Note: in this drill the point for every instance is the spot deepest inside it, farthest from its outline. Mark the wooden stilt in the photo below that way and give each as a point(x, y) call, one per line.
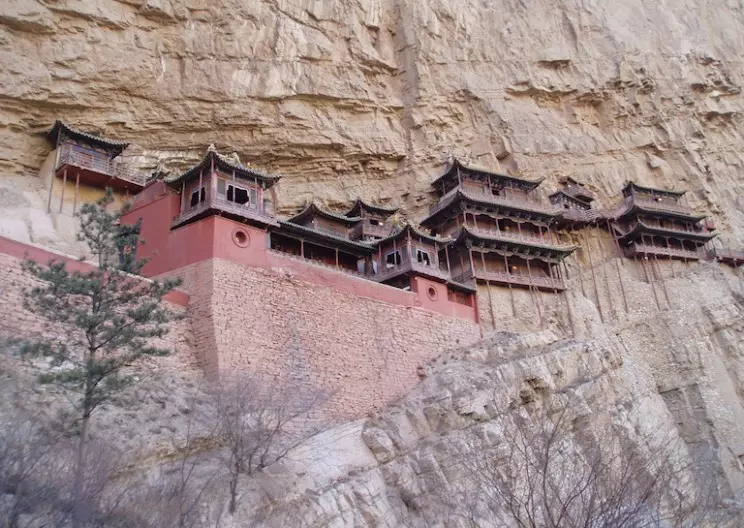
point(594, 280)
point(535, 298)
point(446, 256)
point(650, 281)
point(552, 279)
point(663, 282)
point(488, 288)
point(51, 187)
point(336, 257)
point(302, 248)
point(511, 293)
point(77, 191)
point(578, 269)
point(64, 184)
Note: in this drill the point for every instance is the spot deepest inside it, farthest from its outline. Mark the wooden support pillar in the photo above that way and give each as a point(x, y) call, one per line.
point(508, 281)
point(650, 281)
point(552, 278)
point(535, 297)
point(470, 256)
point(64, 184)
point(302, 248)
point(594, 280)
point(183, 197)
point(201, 185)
point(568, 301)
point(77, 192)
point(337, 258)
point(488, 289)
point(446, 257)
point(51, 187)
point(663, 282)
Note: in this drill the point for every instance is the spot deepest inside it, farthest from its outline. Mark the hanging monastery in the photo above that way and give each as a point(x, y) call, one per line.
point(359, 301)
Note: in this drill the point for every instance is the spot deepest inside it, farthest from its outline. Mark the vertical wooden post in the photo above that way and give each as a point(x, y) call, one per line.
point(302, 248)
point(663, 282)
point(568, 302)
point(77, 190)
point(488, 289)
point(594, 280)
point(552, 279)
point(183, 196)
point(508, 281)
point(201, 185)
point(535, 298)
point(446, 256)
point(336, 258)
point(650, 280)
point(64, 184)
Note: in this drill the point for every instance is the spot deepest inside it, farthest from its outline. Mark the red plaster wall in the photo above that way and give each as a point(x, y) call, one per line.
point(275, 322)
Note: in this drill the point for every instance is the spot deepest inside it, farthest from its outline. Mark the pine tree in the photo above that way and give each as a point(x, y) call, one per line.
point(109, 315)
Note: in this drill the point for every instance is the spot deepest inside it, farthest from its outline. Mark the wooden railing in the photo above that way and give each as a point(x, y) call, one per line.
point(408, 265)
point(99, 162)
point(673, 230)
point(511, 236)
point(250, 211)
point(661, 205)
point(583, 215)
point(648, 249)
point(508, 200)
point(519, 279)
point(365, 228)
point(726, 254)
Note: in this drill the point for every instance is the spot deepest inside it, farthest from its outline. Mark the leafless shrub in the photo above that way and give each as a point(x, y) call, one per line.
point(257, 424)
point(554, 470)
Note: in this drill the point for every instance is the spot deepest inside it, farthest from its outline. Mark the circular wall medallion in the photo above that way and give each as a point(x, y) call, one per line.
point(431, 291)
point(241, 238)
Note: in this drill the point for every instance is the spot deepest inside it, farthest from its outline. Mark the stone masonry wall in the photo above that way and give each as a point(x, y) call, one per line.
point(367, 353)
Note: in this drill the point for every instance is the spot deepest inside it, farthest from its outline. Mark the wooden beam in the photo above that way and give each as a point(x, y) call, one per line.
point(64, 184)
point(77, 191)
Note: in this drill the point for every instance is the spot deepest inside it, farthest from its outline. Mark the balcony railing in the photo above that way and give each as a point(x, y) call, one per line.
point(367, 229)
point(641, 250)
point(99, 162)
point(672, 230)
point(732, 255)
point(518, 279)
point(249, 211)
point(511, 236)
point(407, 266)
point(582, 215)
point(508, 200)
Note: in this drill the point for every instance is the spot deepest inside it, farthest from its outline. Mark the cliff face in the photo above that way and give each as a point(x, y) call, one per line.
point(367, 98)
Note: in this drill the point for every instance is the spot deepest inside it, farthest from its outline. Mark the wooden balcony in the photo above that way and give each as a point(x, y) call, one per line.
point(539, 282)
point(219, 204)
point(582, 215)
point(514, 201)
point(644, 250)
point(408, 266)
point(727, 256)
point(98, 169)
point(513, 236)
point(365, 229)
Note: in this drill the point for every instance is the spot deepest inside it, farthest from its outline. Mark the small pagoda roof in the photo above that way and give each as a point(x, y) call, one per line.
point(409, 228)
point(353, 246)
point(226, 164)
point(569, 196)
point(509, 244)
point(537, 210)
point(639, 208)
point(115, 147)
point(650, 190)
point(510, 181)
point(643, 228)
point(360, 205)
point(313, 210)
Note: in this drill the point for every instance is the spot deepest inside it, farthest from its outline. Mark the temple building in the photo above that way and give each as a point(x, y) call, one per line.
point(573, 200)
point(501, 233)
point(655, 223)
point(84, 159)
point(218, 185)
point(325, 237)
point(376, 222)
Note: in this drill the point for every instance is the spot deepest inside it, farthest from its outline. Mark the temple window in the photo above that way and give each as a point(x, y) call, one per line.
point(423, 257)
point(240, 195)
point(198, 197)
point(393, 259)
point(374, 222)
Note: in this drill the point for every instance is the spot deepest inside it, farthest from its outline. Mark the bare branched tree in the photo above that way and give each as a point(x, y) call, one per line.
point(553, 469)
point(258, 423)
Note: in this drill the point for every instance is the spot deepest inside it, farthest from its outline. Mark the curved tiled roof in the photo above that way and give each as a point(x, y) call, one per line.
point(653, 190)
point(516, 182)
point(225, 163)
point(335, 239)
point(417, 232)
point(108, 144)
point(564, 251)
point(361, 204)
point(312, 210)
